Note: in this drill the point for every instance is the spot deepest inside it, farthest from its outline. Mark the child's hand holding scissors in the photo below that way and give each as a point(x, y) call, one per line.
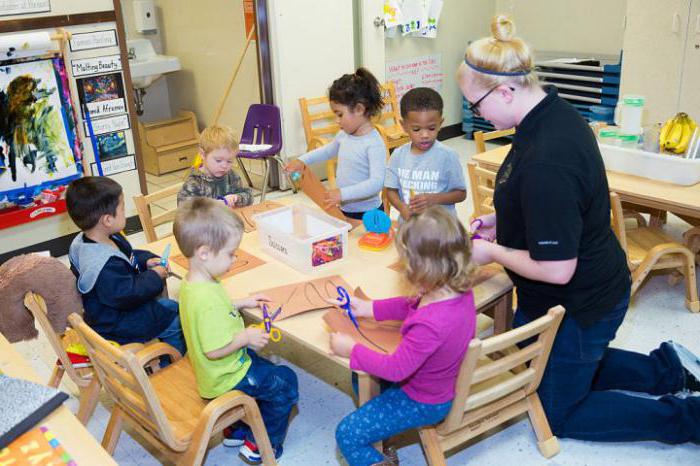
point(359, 307)
point(256, 338)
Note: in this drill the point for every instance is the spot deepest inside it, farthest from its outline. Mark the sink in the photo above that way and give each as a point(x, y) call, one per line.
point(146, 65)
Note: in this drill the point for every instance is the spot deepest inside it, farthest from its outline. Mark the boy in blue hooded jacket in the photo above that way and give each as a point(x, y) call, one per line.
point(120, 286)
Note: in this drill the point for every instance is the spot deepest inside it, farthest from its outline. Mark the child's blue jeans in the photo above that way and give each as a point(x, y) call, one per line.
point(276, 390)
point(386, 415)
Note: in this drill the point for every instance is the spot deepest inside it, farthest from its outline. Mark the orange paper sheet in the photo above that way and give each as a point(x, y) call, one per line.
point(313, 188)
point(305, 296)
point(244, 262)
point(246, 213)
point(382, 336)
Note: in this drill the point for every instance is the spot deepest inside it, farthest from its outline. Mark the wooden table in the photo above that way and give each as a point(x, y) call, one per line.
point(683, 201)
point(359, 268)
point(76, 439)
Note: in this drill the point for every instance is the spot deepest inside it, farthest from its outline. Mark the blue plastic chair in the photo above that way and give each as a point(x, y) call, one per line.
point(263, 125)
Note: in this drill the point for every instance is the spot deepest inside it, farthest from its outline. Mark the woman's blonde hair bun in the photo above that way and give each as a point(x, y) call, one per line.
point(502, 28)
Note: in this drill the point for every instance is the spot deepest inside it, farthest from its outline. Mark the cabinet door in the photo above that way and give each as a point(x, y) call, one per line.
point(690, 87)
point(653, 50)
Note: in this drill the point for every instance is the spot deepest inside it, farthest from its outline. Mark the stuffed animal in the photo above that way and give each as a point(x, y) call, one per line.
point(47, 277)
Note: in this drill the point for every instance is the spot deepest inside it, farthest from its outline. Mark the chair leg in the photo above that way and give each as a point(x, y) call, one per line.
point(691, 287)
point(546, 441)
point(56, 376)
point(431, 446)
point(88, 400)
point(282, 164)
point(114, 429)
point(255, 422)
point(638, 276)
point(244, 171)
point(266, 177)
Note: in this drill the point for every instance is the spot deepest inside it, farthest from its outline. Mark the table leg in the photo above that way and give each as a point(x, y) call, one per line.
point(503, 313)
point(368, 388)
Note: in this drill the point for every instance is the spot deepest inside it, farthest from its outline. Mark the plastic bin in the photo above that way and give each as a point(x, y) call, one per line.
point(306, 239)
point(661, 167)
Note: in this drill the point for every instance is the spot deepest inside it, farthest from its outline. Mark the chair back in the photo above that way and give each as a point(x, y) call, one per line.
point(149, 222)
point(481, 182)
point(390, 117)
point(480, 138)
point(319, 121)
point(487, 383)
point(124, 378)
point(263, 125)
point(37, 306)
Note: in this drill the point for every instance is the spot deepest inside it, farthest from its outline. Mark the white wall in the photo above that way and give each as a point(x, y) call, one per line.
point(311, 44)
point(461, 21)
point(590, 26)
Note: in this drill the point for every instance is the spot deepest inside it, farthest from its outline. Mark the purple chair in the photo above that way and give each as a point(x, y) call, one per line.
point(263, 126)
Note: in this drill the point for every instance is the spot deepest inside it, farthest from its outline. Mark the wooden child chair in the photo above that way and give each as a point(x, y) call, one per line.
point(492, 391)
point(648, 248)
point(481, 183)
point(84, 378)
point(480, 138)
point(166, 408)
point(149, 222)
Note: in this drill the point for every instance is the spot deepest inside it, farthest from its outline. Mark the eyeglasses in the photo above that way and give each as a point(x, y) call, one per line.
point(474, 108)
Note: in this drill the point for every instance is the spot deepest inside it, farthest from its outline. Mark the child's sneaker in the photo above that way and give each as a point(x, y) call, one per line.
point(691, 366)
point(250, 454)
point(234, 436)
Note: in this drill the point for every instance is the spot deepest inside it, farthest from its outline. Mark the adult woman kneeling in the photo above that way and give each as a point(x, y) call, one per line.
point(552, 226)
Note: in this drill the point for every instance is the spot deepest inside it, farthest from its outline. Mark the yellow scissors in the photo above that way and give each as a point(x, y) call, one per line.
point(266, 324)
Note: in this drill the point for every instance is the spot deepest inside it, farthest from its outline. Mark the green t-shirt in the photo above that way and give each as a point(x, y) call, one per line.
point(209, 322)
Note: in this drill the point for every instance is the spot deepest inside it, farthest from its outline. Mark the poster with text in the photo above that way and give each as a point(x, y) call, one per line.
point(408, 73)
point(103, 94)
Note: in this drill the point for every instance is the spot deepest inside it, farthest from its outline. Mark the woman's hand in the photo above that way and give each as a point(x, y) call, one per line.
point(295, 165)
point(484, 226)
point(341, 344)
point(482, 251)
point(231, 199)
point(251, 302)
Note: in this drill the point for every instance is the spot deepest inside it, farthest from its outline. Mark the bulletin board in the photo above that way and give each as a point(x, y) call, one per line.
point(65, 109)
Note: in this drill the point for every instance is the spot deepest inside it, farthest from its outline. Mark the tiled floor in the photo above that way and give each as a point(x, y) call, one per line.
point(657, 314)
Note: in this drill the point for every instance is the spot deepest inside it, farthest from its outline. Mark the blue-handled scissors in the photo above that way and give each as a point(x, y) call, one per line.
point(344, 302)
point(165, 256)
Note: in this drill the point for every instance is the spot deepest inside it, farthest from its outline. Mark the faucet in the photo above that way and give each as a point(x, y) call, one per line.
point(132, 53)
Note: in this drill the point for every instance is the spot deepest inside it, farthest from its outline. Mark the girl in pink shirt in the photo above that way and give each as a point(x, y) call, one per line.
point(438, 323)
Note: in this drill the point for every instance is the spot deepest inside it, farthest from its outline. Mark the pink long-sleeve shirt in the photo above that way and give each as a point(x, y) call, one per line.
point(434, 341)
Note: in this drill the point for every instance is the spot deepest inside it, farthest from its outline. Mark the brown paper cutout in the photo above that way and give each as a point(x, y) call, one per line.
point(384, 336)
point(244, 262)
point(313, 188)
point(296, 298)
point(246, 213)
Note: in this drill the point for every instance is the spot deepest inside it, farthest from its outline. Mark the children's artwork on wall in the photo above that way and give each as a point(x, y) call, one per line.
point(244, 262)
point(311, 295)
point(112, 145)
point(39, 148)
point(103, 94)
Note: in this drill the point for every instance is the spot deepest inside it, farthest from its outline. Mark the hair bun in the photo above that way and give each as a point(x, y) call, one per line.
point(502, 28)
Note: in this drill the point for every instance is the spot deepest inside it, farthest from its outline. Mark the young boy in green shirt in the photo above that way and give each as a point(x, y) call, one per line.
point(220, 347)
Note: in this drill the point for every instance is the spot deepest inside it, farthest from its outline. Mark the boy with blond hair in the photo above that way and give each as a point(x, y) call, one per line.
point(220, 347)
point(214, 177)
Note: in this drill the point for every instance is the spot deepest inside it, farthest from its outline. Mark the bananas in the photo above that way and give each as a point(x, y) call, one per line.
point(676, 133)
